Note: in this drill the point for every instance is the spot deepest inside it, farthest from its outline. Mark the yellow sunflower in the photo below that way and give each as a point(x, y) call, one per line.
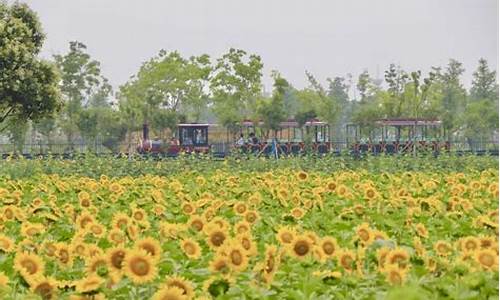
point(88, 284)
point(470, 244)
point(219, 264)
point(94, 264)
point(116, 236)
point(421, 230)
point(246, 241)
point(45, 287)
point(346, 259)
point(302, 176)
point(297, 213)
point(169, 293)
point(398, 257)
point(115, 257)
point(181, 283)
point(285, 235)
point(151, 246)
point(196, 222)
point(6, 243)
point(84, 199)
point(395, 275)
point(216, 237)
point(139, 215)
point(29, 264)
point(63, 254)
point(84, 219)
point(300, 247)
point(191, 248)
point(188, 208)
point(442, 248)
point(328, 246)
point(120, 220)
point(487, 259)
point(364, 234)
point(237, 256)
point(242, 227)
point(240, 208)
point(139, 267)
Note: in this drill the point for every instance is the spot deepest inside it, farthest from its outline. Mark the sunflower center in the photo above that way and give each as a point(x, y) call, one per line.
point(301, 248)
point(63, 256)
point(149, 249)
point(96, 229)
point(117, 259)
point(138, 216)
point(346, 261)
point(9, 214)
point(486, 260)
point(188, 209)
point(241, 209)
point(44, 290)
point(251, 218)
point(246, 244)
point(470, 245)
point(179, 285)
point(139, 266)
point(218, 238)
point(30, 266)
point(31, 231)
point(269, 264)
point(236, 257)
point(287, 237)
point(364, 235)
point(198, 225)
point(189, 248)
point(328, 248)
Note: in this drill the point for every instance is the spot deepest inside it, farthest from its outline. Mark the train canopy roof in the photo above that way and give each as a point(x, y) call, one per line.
point(286, 124)
point(408, 122)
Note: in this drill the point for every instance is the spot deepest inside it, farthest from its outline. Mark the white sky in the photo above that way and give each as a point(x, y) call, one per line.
point(326, 37)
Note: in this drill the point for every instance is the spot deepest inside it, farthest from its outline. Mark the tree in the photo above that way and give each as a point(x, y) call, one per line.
point(366, 87)
point(396, 80)
point(235, 87)
point(452, 96)
point(82, 86)
point(327, 106)
point(481, 114)
point(272, 110)
point(28, 85)
point(166, 85)
point(484, 83)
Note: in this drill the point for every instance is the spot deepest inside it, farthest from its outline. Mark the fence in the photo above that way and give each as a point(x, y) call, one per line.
point(219, 148)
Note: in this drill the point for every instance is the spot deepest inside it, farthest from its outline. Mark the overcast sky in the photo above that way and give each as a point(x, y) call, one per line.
point(326, 37)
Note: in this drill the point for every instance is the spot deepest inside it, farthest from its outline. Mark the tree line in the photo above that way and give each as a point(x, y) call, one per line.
point(69, 97)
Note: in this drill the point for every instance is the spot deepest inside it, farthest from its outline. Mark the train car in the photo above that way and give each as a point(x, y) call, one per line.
point(205, 137)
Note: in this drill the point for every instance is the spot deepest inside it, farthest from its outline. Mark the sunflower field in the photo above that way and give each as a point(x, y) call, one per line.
point(231, 232)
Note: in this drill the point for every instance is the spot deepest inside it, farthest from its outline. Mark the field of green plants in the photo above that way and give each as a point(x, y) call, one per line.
point(296, 228)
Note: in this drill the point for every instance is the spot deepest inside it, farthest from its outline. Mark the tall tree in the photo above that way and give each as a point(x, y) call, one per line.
point(272, 110)
point(82, 86)
point(396, 80)
point(481, 114)
point(484, 83)
point(235, 87)
point(28, 85)
point(453, 96)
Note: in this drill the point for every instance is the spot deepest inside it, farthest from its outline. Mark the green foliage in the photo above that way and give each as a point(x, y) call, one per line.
point(28, 85)
point(235, 86)
point(272, 111)
point(166, 86)
point(82, 86)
